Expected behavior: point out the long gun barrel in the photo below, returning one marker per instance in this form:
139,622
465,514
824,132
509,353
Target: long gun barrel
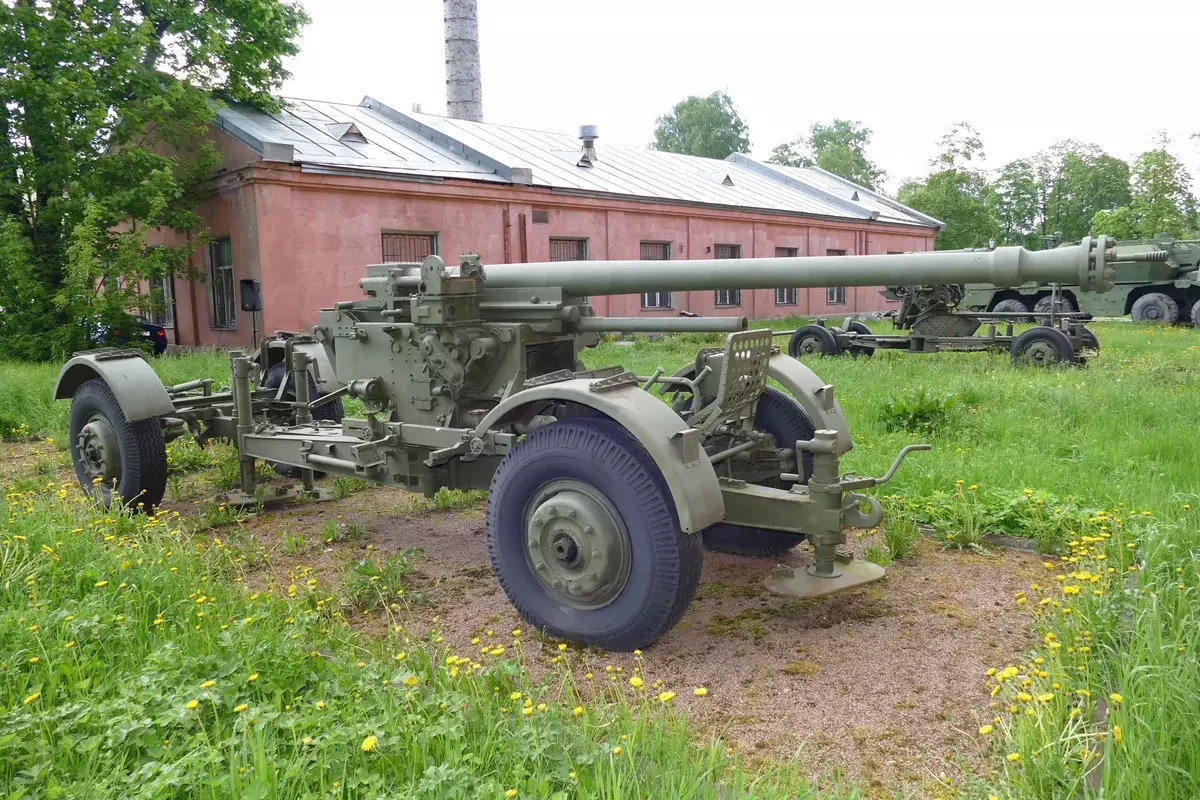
1085,265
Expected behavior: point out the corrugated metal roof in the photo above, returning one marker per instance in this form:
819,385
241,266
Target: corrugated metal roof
425,146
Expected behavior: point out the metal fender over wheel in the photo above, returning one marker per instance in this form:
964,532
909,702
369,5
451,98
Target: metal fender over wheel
778,415
129,459
1090,340
1042,345
813,340
583,536
1155,307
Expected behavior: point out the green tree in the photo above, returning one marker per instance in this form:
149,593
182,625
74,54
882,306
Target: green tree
955,193
838,147
1015,200
1161,199
103,137
702,126
1084,180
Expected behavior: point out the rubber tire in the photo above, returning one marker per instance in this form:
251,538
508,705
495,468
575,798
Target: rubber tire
665,564
143,450
332,412
1065,306
780,416
858,350
1194,315
1062,344
829,345
1164,304
1010,305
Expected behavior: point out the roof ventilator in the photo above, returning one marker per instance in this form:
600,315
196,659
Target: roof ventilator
346,132
588,134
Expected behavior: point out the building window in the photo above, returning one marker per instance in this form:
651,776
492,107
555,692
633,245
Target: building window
835,295
727,297
408,248
656,251
568,250
162,295
786,297
220,280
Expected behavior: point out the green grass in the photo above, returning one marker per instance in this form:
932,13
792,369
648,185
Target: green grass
1060,456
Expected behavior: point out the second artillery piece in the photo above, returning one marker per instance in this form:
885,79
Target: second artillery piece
603,486
934,317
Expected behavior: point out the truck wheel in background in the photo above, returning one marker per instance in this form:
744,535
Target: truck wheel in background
1065,306
1155,307
583,536
129,459
1193,315
1011,305
813,340
780,416
1042,346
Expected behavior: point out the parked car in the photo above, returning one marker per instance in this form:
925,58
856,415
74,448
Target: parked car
149,334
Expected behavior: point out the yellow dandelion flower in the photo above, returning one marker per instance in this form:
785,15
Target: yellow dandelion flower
571,775
1046,698
208,684
588,676
700,691
1014,757
1116,698
320,705
192,705
253,677
666,697
516,633
984,730
510,793
101,584
527,711
577,711
411,680
1118,737
515,696
616,751
636,682
307,740
33,698
240,708
369,743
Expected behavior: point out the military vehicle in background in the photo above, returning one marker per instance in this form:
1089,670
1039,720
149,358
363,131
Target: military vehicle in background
1163,286
604,486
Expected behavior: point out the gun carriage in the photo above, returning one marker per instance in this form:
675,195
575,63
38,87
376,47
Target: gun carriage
604,486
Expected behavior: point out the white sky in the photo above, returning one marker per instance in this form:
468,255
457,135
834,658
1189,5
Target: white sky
1109,72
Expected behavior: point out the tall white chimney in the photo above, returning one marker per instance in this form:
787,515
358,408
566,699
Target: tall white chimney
464,85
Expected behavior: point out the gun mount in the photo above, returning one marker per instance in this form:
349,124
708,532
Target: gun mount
603,486
935,319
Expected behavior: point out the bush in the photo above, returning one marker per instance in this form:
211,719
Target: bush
917,411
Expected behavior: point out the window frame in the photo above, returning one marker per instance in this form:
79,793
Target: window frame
168,301
656,296
727,298
787,252
434,238
215,280
832,293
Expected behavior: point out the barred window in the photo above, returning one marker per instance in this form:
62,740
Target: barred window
835,295
220,280
656,251
786,297
727,297
408,248
568,250
162,294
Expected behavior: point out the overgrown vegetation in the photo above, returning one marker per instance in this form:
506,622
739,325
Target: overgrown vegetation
1094,466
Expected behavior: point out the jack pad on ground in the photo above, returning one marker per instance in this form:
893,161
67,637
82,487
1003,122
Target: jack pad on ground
272,495
797,582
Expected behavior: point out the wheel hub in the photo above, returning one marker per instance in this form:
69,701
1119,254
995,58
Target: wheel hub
810,345
98,451
577,544
1041,352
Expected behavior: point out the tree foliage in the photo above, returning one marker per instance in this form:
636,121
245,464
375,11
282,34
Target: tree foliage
1083,181
955,193
103,137
838,147
702,126
1161,199
1014,197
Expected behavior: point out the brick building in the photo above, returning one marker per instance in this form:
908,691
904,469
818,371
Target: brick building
307,197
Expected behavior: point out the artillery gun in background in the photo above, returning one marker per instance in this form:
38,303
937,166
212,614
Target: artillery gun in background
603,486
1161,285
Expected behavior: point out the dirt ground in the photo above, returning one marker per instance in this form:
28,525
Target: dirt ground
884,684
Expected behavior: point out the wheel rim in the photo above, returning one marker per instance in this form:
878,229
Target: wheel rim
576,544
810,346
1041,352
1154,313
99,453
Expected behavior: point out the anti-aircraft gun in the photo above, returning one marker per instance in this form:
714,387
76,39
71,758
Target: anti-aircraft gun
603,486
935,316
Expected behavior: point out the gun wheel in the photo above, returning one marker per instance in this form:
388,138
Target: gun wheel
583,536
813,340
116,461
1042,346
780,416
